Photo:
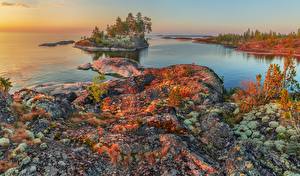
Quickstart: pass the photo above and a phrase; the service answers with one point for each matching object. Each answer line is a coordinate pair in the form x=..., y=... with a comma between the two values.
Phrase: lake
x=27, y=64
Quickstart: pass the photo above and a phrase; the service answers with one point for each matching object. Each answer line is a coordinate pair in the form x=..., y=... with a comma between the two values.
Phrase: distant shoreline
x=242, y=48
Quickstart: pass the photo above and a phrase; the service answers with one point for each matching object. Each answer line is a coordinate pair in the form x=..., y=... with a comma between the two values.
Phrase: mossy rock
x=249, y=117
x=269, y=143
x=280, y=129
x=290, y=173
x=265, y=119
x=187, y=122
x=279, y=144
x=273, y=124
x=248, y=133
x=255, y=134
x=291, y=132
x=281, y=136
x=193, y=114
x=295, y=137
x=293, y=148
x=252, y=125
x=243, y=137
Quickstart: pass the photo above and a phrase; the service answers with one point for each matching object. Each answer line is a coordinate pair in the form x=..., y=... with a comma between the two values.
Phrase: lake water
x=27, y=64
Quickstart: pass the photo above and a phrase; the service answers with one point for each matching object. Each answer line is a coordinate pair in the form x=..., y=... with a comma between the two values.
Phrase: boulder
x=120, y=66
x=86, y=66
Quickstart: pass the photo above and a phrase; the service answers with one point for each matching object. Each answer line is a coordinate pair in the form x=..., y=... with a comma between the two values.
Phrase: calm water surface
x=27, y=64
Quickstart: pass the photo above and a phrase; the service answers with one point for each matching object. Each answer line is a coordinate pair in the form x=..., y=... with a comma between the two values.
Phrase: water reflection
x=136, y=55
x=267, y=58
x=27, y=64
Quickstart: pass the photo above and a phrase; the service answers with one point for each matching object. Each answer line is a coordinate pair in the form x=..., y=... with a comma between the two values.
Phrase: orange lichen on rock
x=113, y=152
x=200, y=164
x=178, y=94
x=125, y=128
x=168, y=125
x=91, y=119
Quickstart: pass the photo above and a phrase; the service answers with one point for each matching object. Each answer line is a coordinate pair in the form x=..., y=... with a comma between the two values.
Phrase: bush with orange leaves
x=177, y=95
x=276, y=81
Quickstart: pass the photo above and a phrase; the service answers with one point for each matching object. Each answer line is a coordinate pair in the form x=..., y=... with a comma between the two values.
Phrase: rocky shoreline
x=98, y=49
x=167, y=121
x=89, y=46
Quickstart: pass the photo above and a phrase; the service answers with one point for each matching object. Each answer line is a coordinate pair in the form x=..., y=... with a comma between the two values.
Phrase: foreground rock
x=6, y=114
x=67, y=42
x=168, y=121
x=120, y=66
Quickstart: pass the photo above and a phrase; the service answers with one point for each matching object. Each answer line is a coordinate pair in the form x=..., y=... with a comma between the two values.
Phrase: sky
x=168, y=16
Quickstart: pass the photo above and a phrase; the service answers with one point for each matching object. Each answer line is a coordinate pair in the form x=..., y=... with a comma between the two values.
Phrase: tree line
x=132, y=26
x=255, y=35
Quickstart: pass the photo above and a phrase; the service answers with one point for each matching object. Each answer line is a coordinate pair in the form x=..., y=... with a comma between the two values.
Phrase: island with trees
x=124, y=35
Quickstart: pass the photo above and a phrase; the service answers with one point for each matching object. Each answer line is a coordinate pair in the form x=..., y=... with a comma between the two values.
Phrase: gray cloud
x=11, y=4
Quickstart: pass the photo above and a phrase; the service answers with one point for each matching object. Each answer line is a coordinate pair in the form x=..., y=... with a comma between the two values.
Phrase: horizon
x=196, y=16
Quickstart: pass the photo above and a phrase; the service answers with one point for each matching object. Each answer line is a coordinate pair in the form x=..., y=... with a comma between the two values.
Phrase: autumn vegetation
x=277, y=86
x=97, y=89
x=5, y=85
x=250, y=35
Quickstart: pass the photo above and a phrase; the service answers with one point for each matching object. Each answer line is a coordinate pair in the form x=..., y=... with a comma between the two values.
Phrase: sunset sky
x=169, y=16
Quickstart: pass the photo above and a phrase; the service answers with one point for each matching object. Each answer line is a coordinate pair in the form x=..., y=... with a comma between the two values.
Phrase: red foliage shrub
x=20, y=135
x=284, y=100
x=5, y=165
x=273, y=82
x=250, y=96
x=113, y=152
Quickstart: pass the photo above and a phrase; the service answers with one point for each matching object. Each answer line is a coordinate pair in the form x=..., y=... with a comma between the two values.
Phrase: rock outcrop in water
x=120, y=66
x=134, y=44
x=168, y=121
x=53, y=44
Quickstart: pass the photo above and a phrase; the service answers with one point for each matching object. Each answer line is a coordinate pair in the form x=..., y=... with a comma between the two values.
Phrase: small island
x=60, y=43
x=128, y=35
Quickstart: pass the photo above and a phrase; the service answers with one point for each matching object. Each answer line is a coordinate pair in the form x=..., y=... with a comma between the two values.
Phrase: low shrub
x=97, y=89
x=177, y=95
x=5, y=85
x=275, y=87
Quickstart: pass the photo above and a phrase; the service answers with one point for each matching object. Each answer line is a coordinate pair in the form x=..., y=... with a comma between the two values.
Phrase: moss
x=248, y=133
x=255, y=134
x=281, y=136
x=252, y=125
x=280, y=129
x=279, y=144
x=273, y=124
